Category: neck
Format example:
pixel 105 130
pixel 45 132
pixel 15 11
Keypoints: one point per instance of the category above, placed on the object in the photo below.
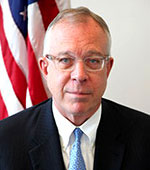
pixel 79 117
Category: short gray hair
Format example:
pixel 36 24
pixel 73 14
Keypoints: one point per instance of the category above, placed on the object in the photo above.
pixel 79 15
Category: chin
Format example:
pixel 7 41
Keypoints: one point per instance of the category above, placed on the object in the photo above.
pixel 79 109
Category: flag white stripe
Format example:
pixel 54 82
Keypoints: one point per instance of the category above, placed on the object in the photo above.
pixel 9 97
pixel 62 4
pixel 28 99
pixel 15 39
pixel 36 29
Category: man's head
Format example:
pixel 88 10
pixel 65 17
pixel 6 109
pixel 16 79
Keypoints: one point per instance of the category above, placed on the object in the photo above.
pixel 78 15
pixel 76 62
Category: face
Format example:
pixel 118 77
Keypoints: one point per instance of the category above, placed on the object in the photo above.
pixel 77 93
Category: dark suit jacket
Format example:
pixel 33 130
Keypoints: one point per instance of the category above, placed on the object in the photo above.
pixel 29 140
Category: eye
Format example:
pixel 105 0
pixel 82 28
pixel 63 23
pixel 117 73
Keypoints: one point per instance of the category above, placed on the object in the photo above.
pixel 92 60
pixel 65 60
pixel 93 63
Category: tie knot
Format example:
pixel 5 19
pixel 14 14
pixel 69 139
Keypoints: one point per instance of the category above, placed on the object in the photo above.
pixel 78 133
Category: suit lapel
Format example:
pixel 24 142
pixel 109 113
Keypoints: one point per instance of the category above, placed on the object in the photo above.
pixel 46 156
pixel 109 149
pixel 45 152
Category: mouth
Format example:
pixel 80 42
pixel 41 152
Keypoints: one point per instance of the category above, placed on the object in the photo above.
pixel 79 96
pixel 79 93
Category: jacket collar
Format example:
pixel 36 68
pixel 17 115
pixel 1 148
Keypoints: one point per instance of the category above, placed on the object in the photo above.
pixel 111 138
pixel 45 147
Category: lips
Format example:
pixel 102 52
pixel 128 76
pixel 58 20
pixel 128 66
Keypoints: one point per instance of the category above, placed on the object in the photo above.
pixel 79 93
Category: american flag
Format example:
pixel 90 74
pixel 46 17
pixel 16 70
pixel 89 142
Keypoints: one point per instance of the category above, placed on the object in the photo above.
pixel 22 28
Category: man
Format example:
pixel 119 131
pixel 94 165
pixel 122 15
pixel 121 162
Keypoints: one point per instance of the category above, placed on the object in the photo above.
pixel 76 63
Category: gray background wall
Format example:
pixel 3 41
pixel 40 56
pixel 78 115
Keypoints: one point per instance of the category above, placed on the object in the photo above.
pixel 129 23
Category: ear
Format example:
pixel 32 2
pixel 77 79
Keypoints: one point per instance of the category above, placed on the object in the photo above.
pixel 43 64
pixel 109 65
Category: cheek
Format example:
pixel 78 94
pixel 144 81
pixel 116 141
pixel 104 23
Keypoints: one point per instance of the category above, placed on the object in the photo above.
pixel 100 84
pixel 56 82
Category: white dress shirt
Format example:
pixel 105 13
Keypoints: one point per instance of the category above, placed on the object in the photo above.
pixel 89 128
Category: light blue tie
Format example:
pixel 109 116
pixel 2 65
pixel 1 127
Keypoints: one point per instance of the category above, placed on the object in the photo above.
pixel 76 158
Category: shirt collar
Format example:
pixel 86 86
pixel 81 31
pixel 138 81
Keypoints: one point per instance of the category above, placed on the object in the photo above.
pixel 65 127
pixel 90 126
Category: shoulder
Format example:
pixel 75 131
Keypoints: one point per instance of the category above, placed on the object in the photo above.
pixel 24 121
pixel 133 123
pixel 133 129
pixel 124 111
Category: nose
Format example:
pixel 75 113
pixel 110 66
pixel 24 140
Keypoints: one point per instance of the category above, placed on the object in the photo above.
pixel 79 72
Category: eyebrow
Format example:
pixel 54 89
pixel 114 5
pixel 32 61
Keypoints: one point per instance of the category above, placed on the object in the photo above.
pixel 66 53
pixel 88 53
pixel 94 52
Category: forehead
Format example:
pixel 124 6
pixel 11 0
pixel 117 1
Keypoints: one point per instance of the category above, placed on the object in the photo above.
pixel 75 37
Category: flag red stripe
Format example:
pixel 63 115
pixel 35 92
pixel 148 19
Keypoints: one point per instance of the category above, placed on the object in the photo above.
pixel 35 84
pixel 15 74
pixel 3 110
pixel 48 10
